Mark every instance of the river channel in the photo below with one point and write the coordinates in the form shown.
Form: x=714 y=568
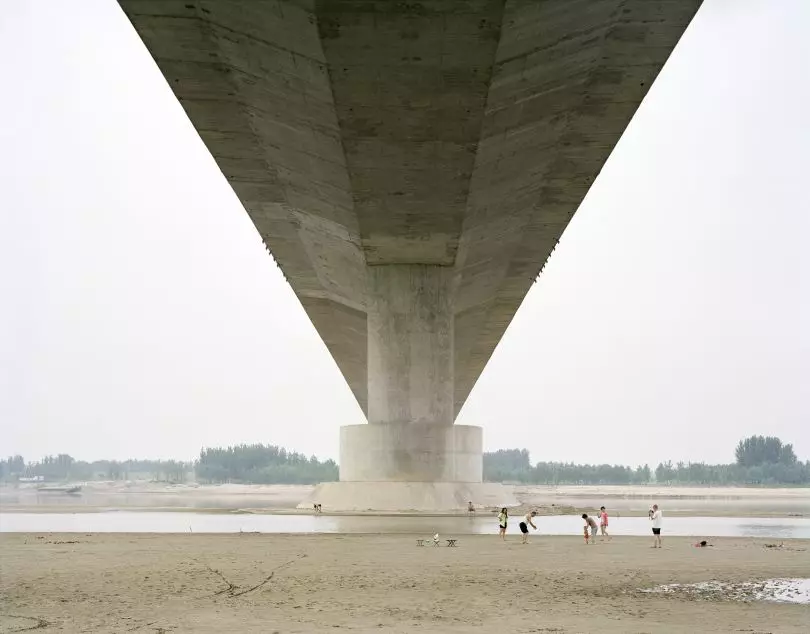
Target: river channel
x=174 y=522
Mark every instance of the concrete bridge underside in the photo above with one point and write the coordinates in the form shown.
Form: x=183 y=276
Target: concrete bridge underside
x=411 y=166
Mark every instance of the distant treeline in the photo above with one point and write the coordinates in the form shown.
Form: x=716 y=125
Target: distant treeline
x=65 y=467
x=262 y=464
x=514 y=465
x=759 y=461
x=253 y=464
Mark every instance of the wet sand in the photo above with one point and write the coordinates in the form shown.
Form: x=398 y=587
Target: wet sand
x=678 y=500
x=380 y=583
x=147 y=496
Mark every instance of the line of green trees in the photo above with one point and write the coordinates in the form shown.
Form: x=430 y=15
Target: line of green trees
x=262 y=464
x=64 y=467
x=760 y=460
x=514 y=465
x=254 y=464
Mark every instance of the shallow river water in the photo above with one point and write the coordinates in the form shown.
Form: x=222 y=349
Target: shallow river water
x=173 y=522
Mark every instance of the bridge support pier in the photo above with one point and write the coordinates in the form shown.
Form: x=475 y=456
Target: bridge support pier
x=410 y=455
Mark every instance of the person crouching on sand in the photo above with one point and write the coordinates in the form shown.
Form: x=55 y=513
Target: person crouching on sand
x=590 y=523
x=503 y=518
x=524 y=526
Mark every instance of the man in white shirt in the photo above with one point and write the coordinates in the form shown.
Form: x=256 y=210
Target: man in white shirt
x=524 y=526
x=656 y=516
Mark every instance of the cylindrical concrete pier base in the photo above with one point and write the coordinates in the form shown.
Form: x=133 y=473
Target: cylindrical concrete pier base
x=407 y=452
x=410 y=467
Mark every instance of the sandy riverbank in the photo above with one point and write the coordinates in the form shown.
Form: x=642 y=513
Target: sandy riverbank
x=683 y=501
x=316 y=583
x=623 y=500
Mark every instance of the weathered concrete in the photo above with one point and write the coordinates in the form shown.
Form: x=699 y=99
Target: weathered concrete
x=439 y=146
x=410 y=344
x=398 y=452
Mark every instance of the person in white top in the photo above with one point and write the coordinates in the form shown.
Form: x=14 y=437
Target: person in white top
x=524 y=526
x=657 y=519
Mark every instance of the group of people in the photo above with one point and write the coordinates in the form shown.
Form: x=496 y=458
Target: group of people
x=503 y=520
x=591 y=528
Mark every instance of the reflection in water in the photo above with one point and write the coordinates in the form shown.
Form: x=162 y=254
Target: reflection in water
x=173 y=522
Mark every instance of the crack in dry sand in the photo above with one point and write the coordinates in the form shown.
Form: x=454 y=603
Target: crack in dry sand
x=233 y=591
x=39 y=625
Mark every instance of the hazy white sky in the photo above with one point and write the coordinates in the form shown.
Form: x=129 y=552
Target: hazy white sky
x=140 y=315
